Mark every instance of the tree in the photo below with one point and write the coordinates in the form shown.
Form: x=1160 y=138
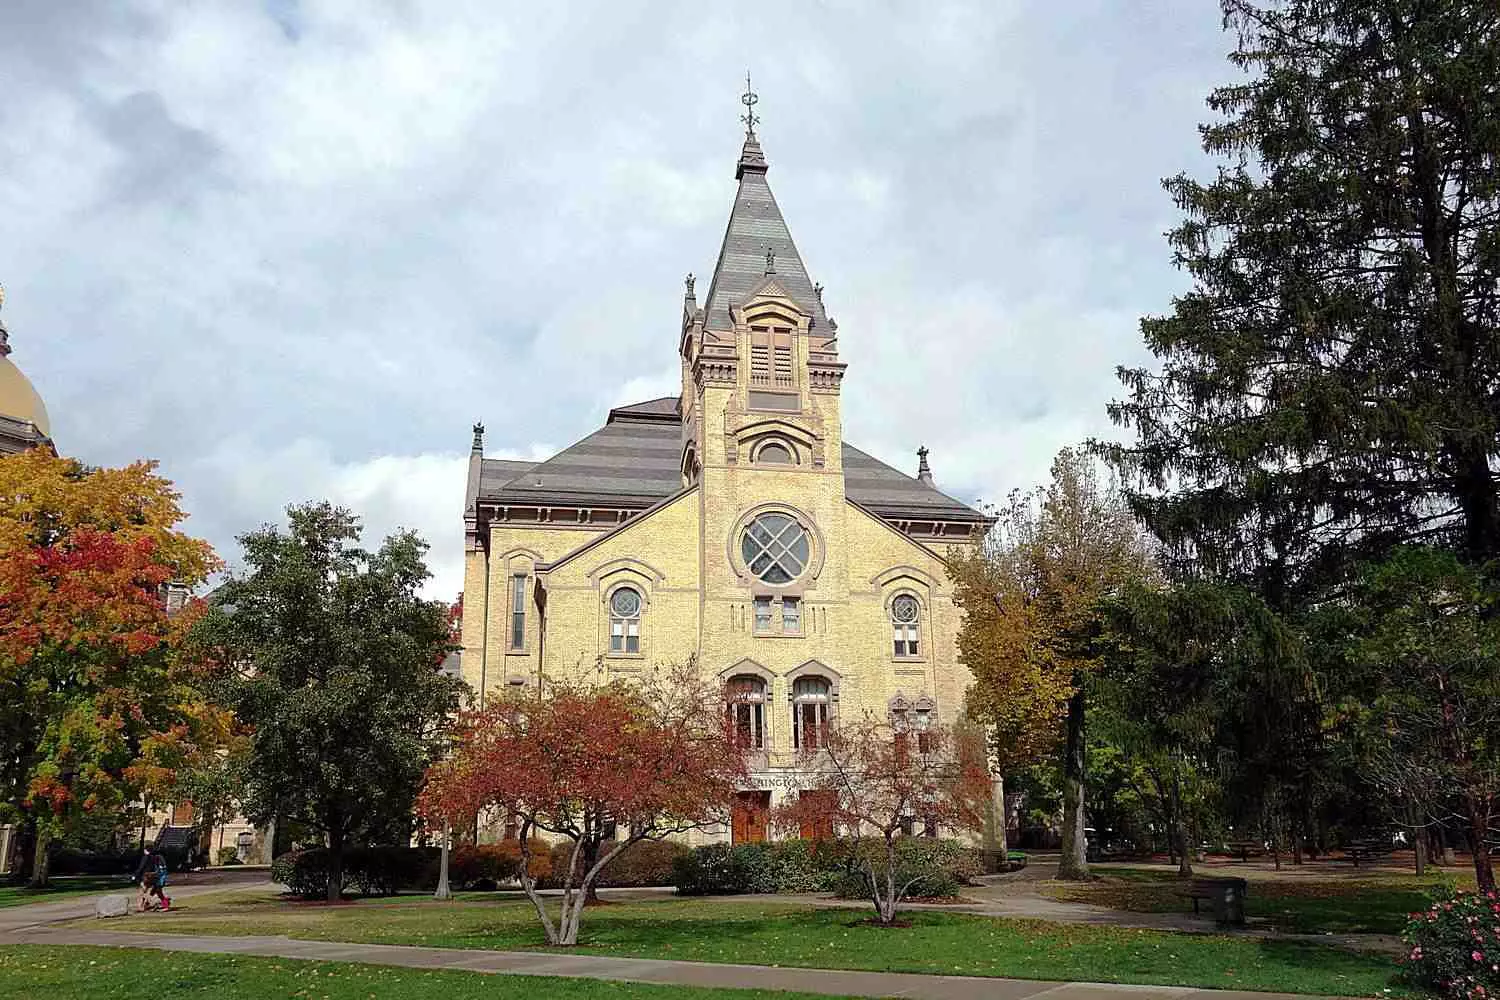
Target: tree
x=334 y=665
x=1330 y=386
x=1031 y=608
x=629 y=760
x=89 y=669
x=881 y=777
x=1423 y=630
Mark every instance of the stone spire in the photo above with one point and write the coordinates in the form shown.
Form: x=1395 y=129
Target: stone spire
x=924 y=471
x=757 y=236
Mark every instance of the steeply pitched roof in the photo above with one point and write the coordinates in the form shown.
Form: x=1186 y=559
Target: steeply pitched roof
x=755 y=226
x=665 y=408
x=634 y=461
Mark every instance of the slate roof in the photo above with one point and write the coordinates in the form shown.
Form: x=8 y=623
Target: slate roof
x=756 y=225
x=633 y=461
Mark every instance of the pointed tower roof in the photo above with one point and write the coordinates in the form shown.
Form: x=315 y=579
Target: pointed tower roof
x=756 y=235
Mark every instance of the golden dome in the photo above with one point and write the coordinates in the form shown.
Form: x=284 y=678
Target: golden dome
x=18 y=400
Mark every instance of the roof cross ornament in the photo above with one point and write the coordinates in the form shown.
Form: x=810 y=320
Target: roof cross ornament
x=749 y=100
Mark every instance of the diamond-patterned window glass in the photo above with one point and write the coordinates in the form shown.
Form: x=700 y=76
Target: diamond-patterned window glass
x=775 y=548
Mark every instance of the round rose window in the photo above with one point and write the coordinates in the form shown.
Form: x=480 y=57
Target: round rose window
x=775 y=548
x=625 y=603
x=904 y=609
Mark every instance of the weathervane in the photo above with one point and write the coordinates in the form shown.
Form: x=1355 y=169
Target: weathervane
x=749 y=100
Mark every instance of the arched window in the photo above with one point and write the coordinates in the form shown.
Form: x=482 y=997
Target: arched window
x=625 y=621
x=746 y=702
x=810 y=701
x=775 y=453
x=906 y=626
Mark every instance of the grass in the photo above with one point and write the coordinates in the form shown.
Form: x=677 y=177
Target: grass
x=765 y=933
x=1376 y=905
x=62 y=888
x=129 y=974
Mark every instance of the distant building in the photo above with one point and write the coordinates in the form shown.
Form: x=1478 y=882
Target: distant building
x=732 y=524
x=23 y=416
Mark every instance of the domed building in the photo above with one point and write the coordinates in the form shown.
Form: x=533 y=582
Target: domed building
x=23 y=415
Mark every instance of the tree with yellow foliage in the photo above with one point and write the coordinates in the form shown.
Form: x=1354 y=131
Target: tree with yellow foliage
x=1032 y=610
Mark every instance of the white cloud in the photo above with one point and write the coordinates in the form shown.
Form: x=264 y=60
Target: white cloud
x=295 y=250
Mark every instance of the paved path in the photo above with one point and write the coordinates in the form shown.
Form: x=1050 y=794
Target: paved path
x=829 y=982
x=30 y=915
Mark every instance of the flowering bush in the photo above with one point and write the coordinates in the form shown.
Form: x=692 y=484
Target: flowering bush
x=1454 y=946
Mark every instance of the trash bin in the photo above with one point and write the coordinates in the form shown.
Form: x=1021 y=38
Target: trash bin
x=1229 y=903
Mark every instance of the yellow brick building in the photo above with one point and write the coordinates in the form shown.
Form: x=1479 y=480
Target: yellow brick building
x=730 y=524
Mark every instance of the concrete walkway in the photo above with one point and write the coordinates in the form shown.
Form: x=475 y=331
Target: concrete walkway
x=31 y=915
x=703 y=974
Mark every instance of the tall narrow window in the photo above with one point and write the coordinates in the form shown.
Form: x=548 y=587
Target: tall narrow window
x=625 y=621
x=762 y=614
x=906 y=626
x=760 y=355
x=746 y=698
x=921 y=722
x=791 y=615
x=518 y=611
x=810 y=699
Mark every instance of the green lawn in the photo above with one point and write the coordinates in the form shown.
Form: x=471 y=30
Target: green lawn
x=121 y=974
x=760 y=933
x=1377 y=904
x=62 y=888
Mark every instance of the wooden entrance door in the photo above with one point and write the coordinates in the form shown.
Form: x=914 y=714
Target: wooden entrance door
x=749 y=818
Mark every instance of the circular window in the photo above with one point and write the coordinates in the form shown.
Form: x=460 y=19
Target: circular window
x=625 y=603
x=904 y=608
x=775 y=548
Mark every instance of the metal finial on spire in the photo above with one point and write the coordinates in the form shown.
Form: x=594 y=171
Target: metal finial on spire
x=478 y=438
x=818 y=292
x=688 y=283
x=924 y=471
x=770 y=260
x=749 y=100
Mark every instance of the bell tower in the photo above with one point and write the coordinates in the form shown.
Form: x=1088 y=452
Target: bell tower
x=761 y=373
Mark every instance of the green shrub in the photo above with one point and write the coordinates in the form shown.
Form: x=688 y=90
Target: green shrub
x=1454 y=946
x=379 y=871
x=823 y=866
x=229 y=855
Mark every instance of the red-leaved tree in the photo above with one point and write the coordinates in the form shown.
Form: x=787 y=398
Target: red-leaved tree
x=634 y=760
x=877 y=780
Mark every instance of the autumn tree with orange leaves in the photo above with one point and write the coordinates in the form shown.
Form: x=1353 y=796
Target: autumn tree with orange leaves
x=89 y=666
x=643 y=759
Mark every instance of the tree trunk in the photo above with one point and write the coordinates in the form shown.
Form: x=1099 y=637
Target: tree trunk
x=1449 y=858
x=443 y=891
x=1479 y=828
x=41 y=861
x=1074 y=861
x=335 y=863
x=1179 y=834
x=994 y=822
x=589 y=850
x=887 y=907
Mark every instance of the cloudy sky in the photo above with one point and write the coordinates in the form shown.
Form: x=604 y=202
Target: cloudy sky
x=294 y=249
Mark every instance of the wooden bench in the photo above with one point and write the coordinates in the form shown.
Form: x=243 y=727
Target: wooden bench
x=1366 y=850
x=1244 y=847
x=1226 y=894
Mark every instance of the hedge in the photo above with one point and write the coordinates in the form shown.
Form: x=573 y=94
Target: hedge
x=370 y=871
x=486 y=865
x=821 y=866
x=645 y=863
